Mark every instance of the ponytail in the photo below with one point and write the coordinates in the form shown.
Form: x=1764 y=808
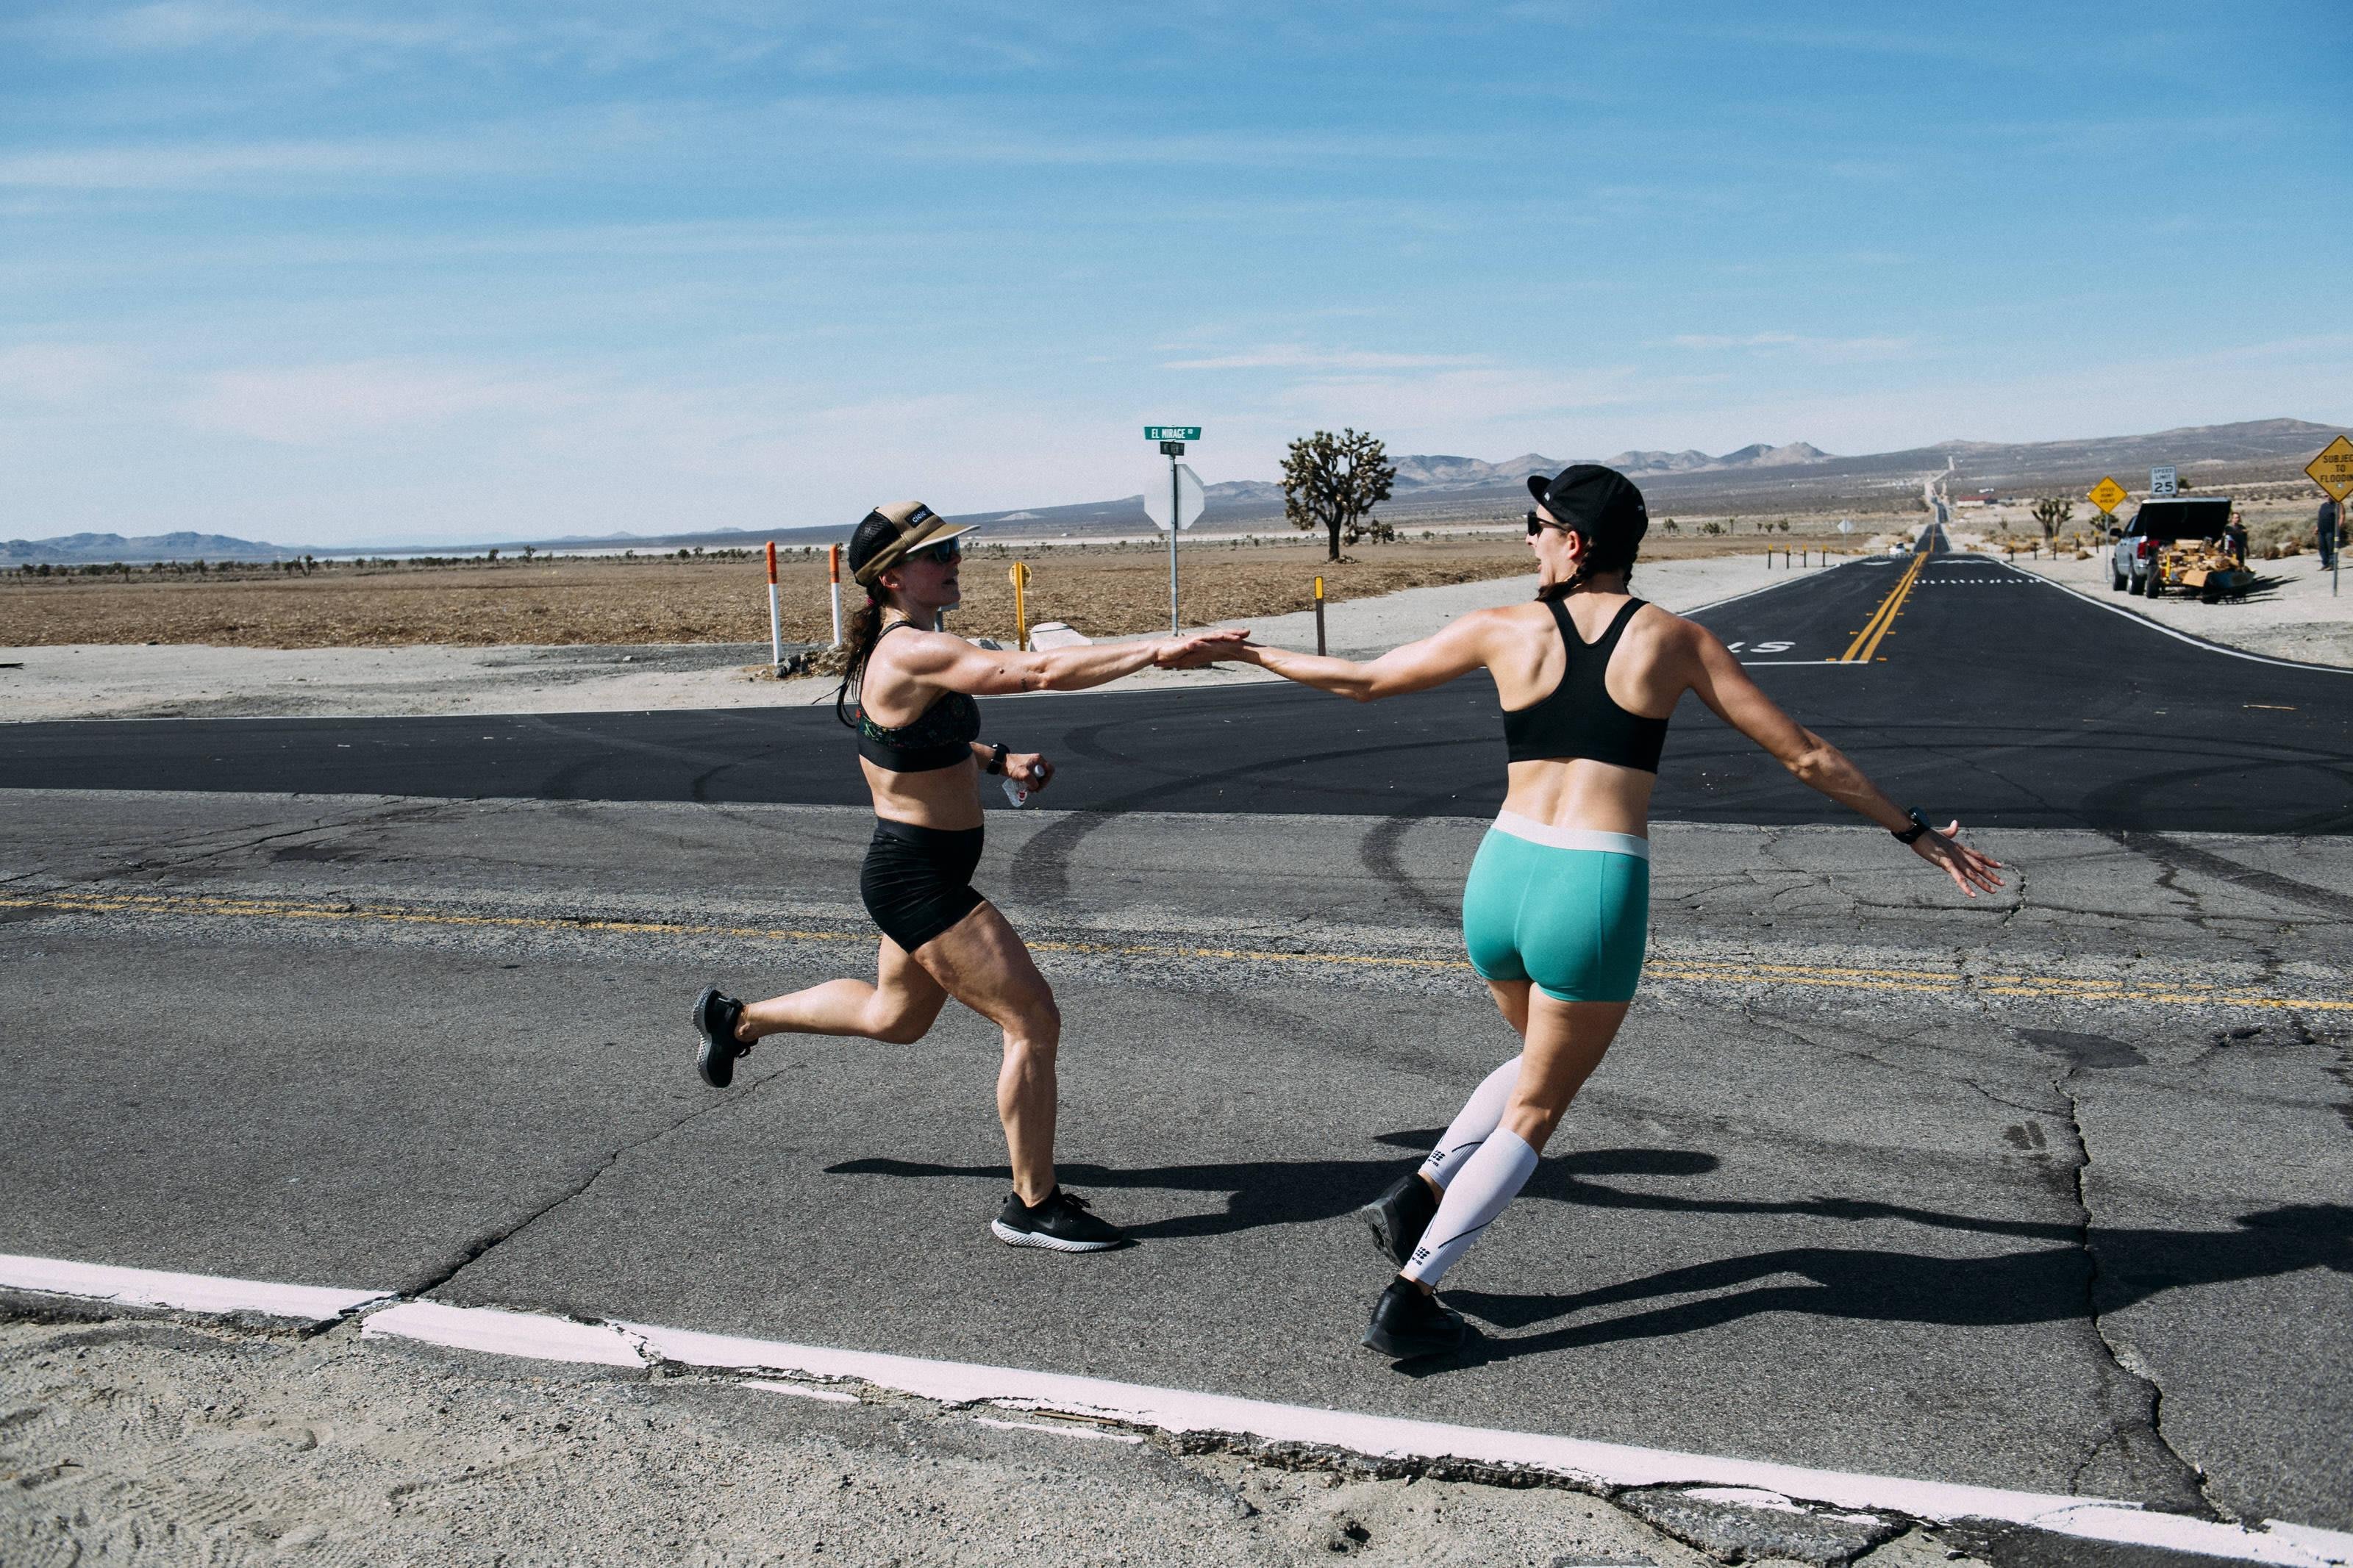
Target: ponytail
x=865 y=631
x=1593 y=564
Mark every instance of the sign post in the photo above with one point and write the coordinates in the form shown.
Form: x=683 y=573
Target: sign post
x=1186 y=498
x=1020 y=572
x=2107 y=495
x=775 y=623
x=1319 y=617
x=2333 y=471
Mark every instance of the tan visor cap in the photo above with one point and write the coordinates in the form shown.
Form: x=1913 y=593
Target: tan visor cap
x=915 y=525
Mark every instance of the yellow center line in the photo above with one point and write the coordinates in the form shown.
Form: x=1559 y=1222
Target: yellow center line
x=1876 y=615
x=1727 y=971
x=1866 y=641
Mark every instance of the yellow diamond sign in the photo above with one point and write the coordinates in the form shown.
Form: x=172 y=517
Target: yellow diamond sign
x=2107 y=494
x=2333 y=469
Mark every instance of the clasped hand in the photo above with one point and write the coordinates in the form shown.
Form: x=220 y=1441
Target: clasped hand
x=1199 y=649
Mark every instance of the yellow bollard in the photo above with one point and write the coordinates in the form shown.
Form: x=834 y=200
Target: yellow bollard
x=1319 y=617
x=1019 y=573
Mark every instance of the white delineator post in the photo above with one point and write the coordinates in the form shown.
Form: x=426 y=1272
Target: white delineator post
x=833 y=563
x=776 y=618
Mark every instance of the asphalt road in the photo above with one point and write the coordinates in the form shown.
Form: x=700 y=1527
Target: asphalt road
x=1981 y=691
x=2046 y=1191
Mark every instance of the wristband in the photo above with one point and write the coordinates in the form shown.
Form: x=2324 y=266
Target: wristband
x=995 y=764
x=1911 y=834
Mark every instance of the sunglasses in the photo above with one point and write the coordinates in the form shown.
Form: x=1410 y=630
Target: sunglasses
x=1537 y=525
x=946 y=553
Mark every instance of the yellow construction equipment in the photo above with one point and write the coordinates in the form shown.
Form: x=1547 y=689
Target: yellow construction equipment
x=2203 y=567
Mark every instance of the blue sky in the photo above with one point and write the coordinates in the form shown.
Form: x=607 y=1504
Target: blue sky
x=332 y=272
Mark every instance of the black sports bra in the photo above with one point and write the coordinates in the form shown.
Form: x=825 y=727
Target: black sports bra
x=1579 y=718
x=941 y=736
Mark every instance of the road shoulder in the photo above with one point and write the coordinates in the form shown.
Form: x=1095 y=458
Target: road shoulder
x=202 y=681
x=2292 y=612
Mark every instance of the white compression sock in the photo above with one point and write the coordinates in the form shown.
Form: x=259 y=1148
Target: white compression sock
x=1487 y=1180
x=1477 y=1117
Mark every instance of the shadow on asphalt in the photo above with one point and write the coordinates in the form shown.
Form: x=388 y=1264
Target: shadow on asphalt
x=2053 y=1284
x=2048 y=1285
x=1306 y=1191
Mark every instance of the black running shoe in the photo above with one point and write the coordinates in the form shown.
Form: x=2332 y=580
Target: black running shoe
x=714 y=1019
x=1409 y=1324
x=1061 y=1224
x=1398 y=1216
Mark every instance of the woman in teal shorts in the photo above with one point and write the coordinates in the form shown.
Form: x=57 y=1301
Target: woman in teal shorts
x=1557 y=910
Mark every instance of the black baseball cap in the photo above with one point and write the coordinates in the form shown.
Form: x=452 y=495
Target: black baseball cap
x=1600 y=503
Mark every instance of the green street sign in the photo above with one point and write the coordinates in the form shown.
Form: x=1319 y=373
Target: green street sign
x=1172 y=432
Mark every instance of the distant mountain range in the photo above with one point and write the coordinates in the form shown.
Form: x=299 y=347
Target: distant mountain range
x=106 y=549
x=1433 y=485
x=1432 y=475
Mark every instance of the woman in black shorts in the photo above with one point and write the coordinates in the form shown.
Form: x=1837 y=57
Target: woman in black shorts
x=919 y=745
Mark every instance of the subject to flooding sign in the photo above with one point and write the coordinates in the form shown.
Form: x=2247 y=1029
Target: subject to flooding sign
x=2107 y=495
x=2333 y=469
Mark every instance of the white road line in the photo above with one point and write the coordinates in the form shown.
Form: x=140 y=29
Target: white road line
x=1599 y=1466
x=1735 y=598
x=2197 y=642
x=1058 y=1431
x=533 y=1335
x=815 y=1390
x=182 y=1292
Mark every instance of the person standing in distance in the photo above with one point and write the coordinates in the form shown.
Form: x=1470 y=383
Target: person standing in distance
x=1556 y=911
x=919 y=745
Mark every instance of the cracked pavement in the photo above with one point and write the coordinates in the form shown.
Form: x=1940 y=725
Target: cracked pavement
x=2045 y=1192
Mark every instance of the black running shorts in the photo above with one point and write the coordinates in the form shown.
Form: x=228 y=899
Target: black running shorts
x=917 y=881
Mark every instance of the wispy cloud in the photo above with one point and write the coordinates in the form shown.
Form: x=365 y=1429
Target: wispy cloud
x=315 y=405
x=58 y=375
x=190 y=165
x=1821 y=349
x=1299 y=356
x=806 y=41
x=199 y=24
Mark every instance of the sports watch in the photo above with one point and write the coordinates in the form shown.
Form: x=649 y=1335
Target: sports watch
x=996 y=757
x=1919 y=824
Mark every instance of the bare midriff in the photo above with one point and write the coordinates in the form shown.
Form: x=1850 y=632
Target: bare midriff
x=1575 y=792
x=947 y=798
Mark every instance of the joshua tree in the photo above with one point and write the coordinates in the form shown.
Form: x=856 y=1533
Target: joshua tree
x=1333 y=482
x=2051 y=512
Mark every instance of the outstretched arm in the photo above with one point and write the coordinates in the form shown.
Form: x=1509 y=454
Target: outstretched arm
x=1725 y=688
x=941 y=659
x=1458 y=649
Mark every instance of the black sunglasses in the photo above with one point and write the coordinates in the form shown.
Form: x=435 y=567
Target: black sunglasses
x=947 y=553
x=1537 y=525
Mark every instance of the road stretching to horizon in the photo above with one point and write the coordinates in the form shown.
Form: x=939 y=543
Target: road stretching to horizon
x=1959 y=683
x=2044 y=1191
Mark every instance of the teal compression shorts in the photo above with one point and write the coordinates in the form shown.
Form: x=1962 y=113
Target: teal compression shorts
x=1564 y=907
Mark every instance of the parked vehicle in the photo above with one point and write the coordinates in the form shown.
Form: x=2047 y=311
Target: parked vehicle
x=2135 y=563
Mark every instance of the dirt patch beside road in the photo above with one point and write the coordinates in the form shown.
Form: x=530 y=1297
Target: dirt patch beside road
x=1104 y=591
x=172 y=1442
